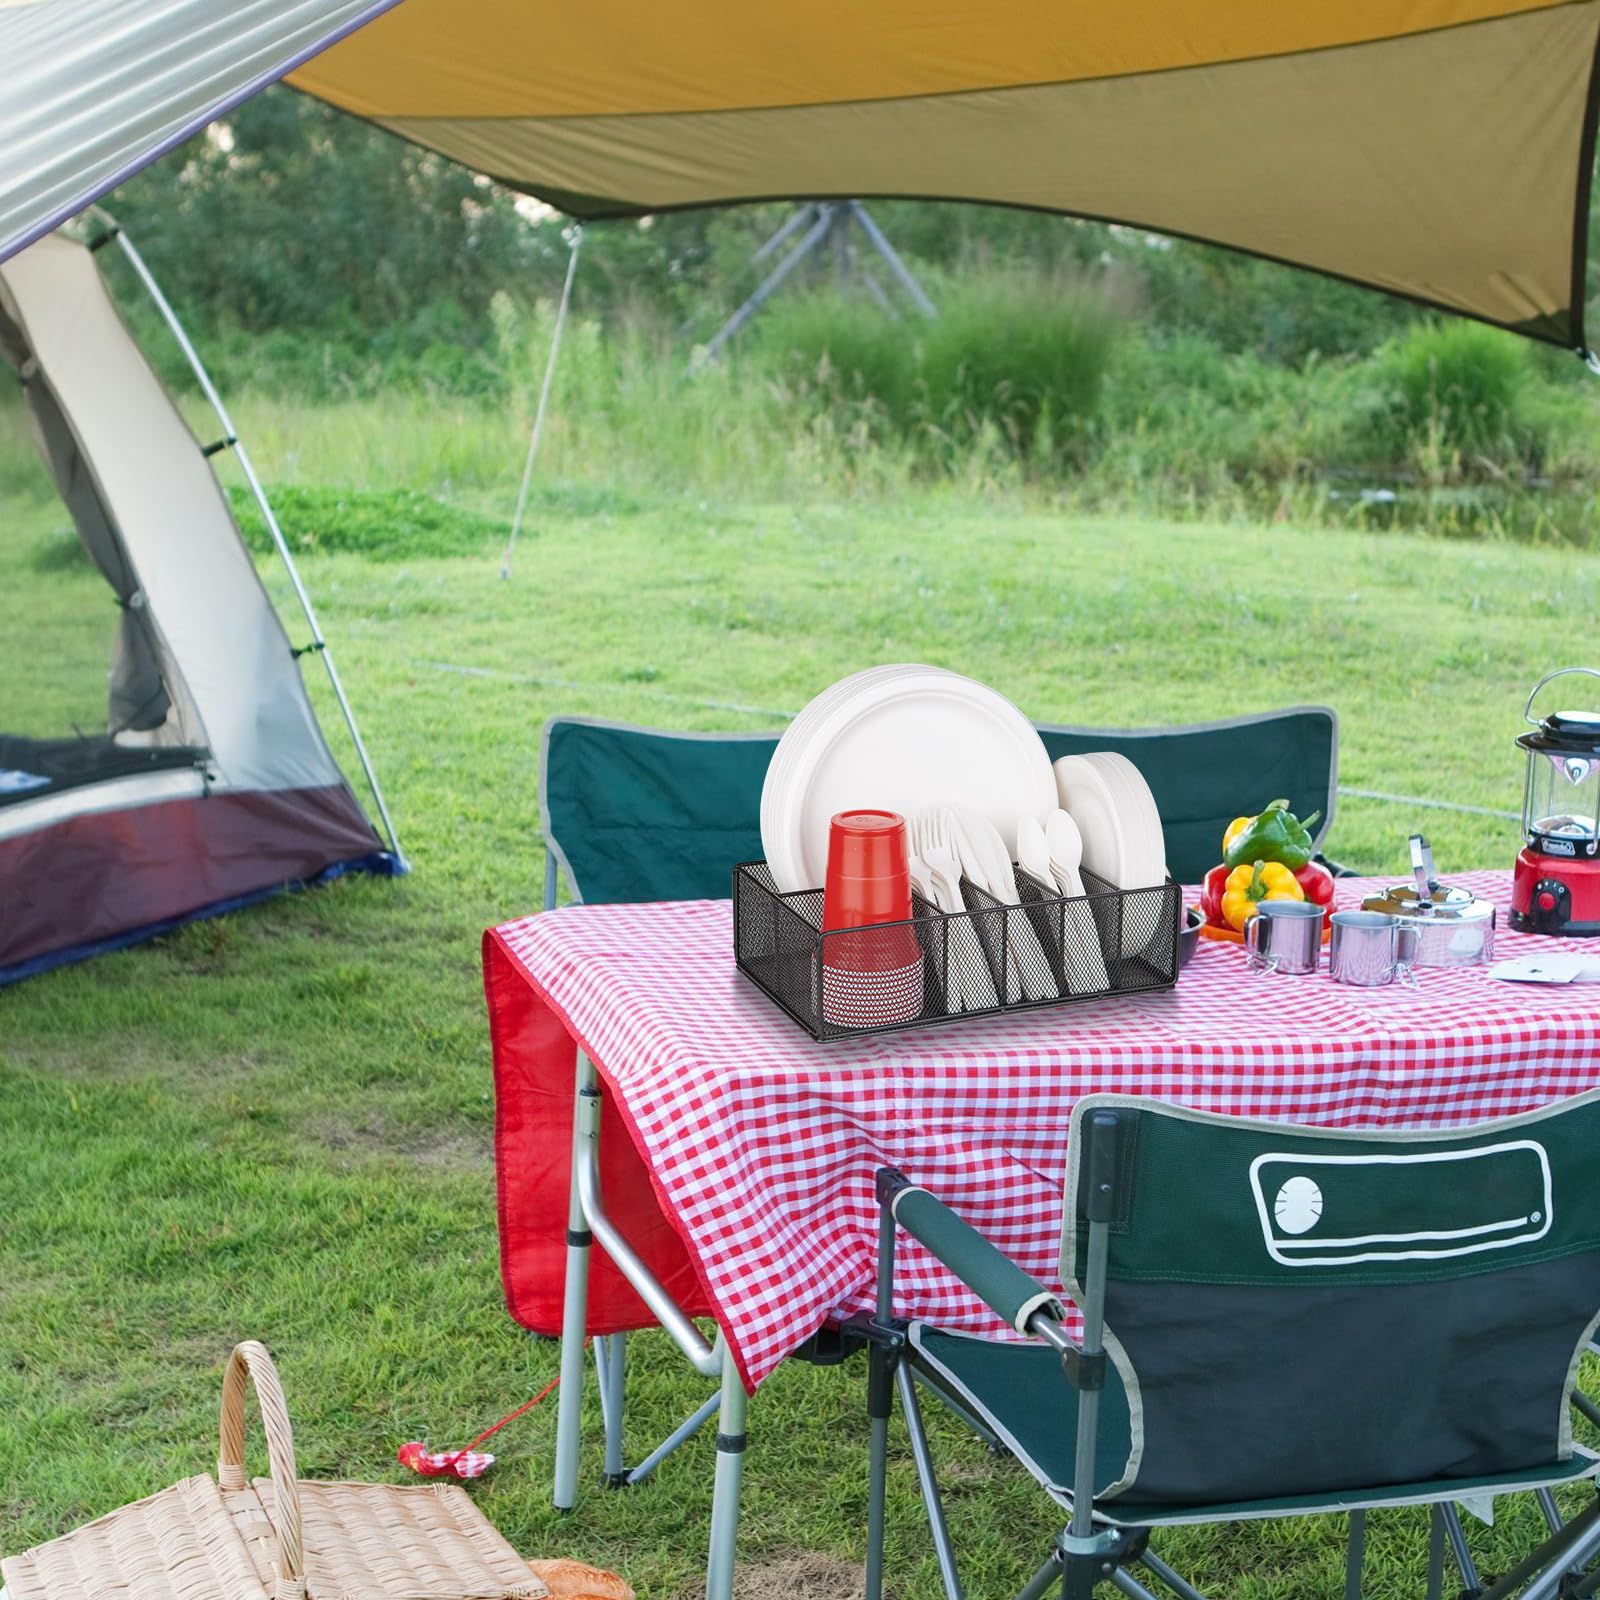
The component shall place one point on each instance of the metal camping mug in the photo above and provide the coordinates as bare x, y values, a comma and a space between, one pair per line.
1369, 948
1284, 936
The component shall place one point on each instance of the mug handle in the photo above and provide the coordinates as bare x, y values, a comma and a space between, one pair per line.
1252, 944
1406, 943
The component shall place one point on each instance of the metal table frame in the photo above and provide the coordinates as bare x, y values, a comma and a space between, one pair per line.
587, 1222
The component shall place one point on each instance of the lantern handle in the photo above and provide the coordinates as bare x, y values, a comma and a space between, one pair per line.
1550, 677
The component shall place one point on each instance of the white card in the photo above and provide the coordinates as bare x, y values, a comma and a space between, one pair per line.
1553, 968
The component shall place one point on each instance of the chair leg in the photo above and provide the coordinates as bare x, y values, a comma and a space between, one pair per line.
685, 1431
730, 1474
1435, 1554
970, 1418
613, 1387
574, 1318
1178, 1585
1124, 1580
1547, 1504
1355, 1555
1573, 1548
880, 1402
1458, 1547
1043, 1581
930, 1486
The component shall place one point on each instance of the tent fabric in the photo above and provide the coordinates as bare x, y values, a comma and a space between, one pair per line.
1438, 149
139, 699
223, 652
212, 782
92, 90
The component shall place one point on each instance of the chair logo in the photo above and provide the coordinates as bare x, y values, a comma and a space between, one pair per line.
1402, 1207
1298, 1205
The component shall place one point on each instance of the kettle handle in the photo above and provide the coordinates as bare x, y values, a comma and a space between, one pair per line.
1550, 677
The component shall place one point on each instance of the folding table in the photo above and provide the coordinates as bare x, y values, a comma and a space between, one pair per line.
725, 1160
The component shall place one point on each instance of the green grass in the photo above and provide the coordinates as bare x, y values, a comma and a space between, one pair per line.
278, 1124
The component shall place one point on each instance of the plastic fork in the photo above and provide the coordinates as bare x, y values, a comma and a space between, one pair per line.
974, 988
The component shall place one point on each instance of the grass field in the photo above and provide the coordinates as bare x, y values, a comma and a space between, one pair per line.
278, 1124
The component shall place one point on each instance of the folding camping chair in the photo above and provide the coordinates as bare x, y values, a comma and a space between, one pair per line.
633, 814
1277, 1321
647, 814
1204, 774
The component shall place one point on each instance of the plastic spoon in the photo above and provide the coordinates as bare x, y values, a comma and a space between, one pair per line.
1084, 960
1031, 967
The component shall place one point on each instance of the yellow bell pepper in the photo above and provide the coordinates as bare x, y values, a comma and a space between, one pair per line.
1233, 830
1248, 886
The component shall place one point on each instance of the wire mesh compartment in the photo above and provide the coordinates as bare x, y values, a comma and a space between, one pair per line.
939, 966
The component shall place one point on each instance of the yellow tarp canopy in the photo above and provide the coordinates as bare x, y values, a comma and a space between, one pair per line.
1439, 149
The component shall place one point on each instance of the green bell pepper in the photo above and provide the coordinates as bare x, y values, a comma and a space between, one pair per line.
1275, 835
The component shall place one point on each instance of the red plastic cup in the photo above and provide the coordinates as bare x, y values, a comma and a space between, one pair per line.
869, 879
870, 977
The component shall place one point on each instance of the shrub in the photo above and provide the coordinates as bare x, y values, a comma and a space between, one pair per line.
1448, 400
1021, 354
1010, 355
386, 524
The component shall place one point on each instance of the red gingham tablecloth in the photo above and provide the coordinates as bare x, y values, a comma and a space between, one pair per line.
738, 1154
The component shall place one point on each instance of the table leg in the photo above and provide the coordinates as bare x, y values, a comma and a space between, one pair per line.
730, 1470
574, 1310
615, 1387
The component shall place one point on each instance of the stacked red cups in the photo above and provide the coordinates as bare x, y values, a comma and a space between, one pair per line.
871, 973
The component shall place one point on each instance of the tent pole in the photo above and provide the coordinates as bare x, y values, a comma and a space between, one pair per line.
320, 644
769, 285
891, 257
544, 398
833, 218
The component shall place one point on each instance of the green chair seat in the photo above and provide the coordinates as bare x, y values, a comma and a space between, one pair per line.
1020, 1393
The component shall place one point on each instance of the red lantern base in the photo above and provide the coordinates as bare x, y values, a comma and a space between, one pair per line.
1551, 894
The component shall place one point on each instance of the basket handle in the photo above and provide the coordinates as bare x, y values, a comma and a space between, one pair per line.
250, 1362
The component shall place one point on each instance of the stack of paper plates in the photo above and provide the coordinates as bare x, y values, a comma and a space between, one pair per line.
898, 738
1106, 795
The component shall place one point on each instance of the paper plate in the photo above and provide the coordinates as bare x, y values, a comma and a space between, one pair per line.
1087, 795
1146, 859
795, 738
904, 739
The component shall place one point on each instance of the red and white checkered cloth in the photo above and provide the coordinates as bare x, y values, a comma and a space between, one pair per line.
760, 1144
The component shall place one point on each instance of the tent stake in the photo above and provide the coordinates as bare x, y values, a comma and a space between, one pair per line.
241, 455
544, 400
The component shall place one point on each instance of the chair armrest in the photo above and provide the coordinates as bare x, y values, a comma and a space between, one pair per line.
994, 1277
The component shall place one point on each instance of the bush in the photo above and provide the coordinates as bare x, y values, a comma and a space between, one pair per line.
1010, 355
388, 524
1448, 400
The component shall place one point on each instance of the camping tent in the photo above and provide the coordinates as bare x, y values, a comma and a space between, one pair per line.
212, 783
1439, 149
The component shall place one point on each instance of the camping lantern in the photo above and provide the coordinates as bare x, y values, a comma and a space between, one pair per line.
1557, 884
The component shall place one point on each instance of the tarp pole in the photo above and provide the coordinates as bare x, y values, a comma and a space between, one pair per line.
770, 284
319, 643
544, 400
891, 257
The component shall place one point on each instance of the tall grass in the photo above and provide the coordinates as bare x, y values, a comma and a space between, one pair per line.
1019, 388
1011, 359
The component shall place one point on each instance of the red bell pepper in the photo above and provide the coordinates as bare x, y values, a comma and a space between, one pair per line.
1211, 895
1317, 882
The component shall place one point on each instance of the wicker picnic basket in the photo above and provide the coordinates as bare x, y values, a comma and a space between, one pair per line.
277, 1538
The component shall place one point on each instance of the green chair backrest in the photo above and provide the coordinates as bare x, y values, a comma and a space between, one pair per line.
1203, 775
1302, 1311
647, 814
